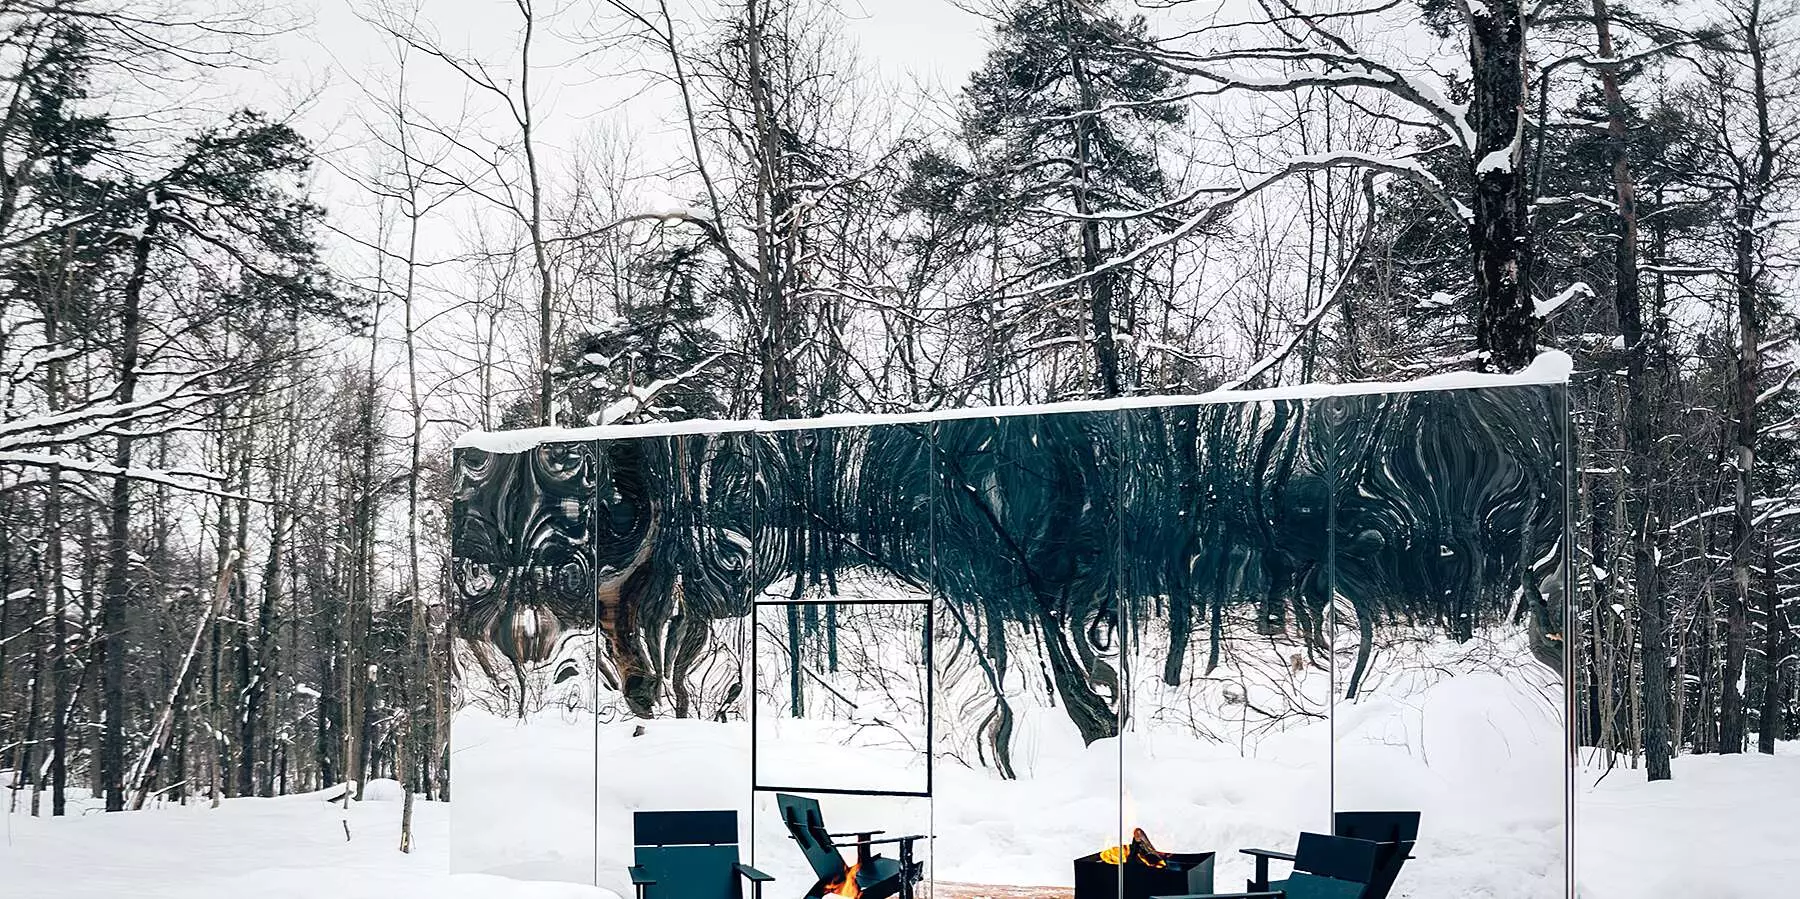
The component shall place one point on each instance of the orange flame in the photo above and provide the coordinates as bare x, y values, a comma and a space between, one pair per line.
1139, 850
846, 887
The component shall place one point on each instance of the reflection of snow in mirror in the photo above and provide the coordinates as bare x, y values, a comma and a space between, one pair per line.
1402, 743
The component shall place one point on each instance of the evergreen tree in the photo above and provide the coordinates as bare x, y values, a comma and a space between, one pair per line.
1063, 117
661, 360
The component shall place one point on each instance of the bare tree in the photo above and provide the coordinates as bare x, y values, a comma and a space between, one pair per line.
1291, 49
512, 175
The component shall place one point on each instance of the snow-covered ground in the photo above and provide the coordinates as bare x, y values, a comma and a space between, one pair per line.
1719, 831
292, 847
1467, 733
1722, 829
1191, 795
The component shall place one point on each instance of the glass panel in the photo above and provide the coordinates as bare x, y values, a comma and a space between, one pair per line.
1025, 517
673, 526
1214, 622
1449, 563
842, 637
1228, 661
843, 619
523, 736
841, 696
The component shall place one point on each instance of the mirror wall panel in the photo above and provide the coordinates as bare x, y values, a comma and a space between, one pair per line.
843, 696
522, 744
842, 636
1025, 520
1227, 665
1449, 526
843, 616
676, 564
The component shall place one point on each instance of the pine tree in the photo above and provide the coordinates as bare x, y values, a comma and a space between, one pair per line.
1064, 115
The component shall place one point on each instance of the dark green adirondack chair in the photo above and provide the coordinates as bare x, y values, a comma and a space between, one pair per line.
1395, 834
1335, 858
877, 877
690, 855
1398, 832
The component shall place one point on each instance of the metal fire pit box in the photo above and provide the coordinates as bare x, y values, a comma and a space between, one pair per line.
1188, 872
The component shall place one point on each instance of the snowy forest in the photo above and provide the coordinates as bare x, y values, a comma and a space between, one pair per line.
260, 266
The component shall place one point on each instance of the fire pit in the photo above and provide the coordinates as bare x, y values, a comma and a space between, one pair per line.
1137, 870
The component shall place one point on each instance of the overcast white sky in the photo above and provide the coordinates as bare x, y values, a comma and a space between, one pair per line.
324, 71
324, 66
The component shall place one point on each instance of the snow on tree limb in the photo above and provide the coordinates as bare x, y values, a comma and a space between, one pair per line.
181, 479
1312, 319
1543, 308
1213, 212
100, 418
638, 398
137, 782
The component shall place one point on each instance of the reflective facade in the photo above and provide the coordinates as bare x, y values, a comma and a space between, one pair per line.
1027, 636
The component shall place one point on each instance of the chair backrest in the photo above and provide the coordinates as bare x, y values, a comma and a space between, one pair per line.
806, 825
1381, 827
689, 855
1312, 886
700, 828
1339, 858
1396, 831
1387, 867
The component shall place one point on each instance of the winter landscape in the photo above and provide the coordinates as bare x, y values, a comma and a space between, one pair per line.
445, 445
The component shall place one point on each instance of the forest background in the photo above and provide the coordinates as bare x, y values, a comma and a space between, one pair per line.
260, 265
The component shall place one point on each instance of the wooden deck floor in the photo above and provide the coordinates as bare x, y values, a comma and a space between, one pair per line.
945, 889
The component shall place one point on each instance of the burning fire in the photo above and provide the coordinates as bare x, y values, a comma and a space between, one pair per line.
1139, 850
846, 887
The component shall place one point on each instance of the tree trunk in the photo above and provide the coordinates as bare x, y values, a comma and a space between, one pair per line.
1769, 724
1732, 725
145, 769
59, 666
1749, 288
534, 224
252, 776
118, 532
27, 767
1499, 233
1100, 285
244, 677
1640, 441
777, 232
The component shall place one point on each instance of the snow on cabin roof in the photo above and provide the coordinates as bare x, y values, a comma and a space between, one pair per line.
1551, 367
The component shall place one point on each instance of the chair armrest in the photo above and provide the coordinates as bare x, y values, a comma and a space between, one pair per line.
639, 876
1269, 853
1260, 880
908, 839
751, 873
855, 833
